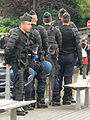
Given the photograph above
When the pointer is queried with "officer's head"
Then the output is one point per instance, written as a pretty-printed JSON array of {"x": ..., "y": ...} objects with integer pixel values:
[
  {"x": 47, "y": 18},
  {"x": 47, "y": 67},
  {"x": 61, "y": 12},
  {"x": 34, "y": 17},
  {"x": 66, "y": 18},
  {"x": 25, "y": 22}
]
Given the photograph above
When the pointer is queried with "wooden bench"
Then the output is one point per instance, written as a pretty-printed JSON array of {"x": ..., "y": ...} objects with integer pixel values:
[
  {"x": 78, "y": 87},
  {"x": 12, "y": 105}
]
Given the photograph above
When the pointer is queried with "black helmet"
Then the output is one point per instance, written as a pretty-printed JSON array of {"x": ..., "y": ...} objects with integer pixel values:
[
  {"x": 66, "y": 15},
  {"x": 46, "y": 15},
  {"x": 25, "y": 17},
  {"x": 32, "y": 12},
  {"x": 62, "y": 11}
]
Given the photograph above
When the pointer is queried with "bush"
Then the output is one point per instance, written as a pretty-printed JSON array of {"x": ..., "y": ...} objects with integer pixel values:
[{"x": 8, "y": 23}]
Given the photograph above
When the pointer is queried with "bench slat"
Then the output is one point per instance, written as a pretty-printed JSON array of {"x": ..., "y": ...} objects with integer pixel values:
[
  {"x": 76, "y": 86},
  {"x": 11, "y": 104}
]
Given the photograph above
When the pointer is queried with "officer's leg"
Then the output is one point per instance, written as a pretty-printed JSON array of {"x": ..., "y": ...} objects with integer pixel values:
[
  {"x": 62, "y": 70},
  {"x": 15, "y": 82},
  {"x": 29, "y": 90},
  {"x": 70, "y": 61},
  {"x": 41, "y": 77},
  {"x": 67, "y": 91},
  {"x": 17, "y": 95},
  {"x": 56, "y": 90}
]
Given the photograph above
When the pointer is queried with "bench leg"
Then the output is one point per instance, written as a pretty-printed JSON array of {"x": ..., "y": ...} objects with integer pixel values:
[
  {"x": 87, "y": 97},
  {"x": 78, "y": 102},
  {"x": 13, "y": 114},
  {"x": 7, "y": 88}
]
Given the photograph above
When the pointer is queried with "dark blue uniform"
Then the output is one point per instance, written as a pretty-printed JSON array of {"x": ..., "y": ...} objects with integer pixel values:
[{"x": 70, "y": 45}]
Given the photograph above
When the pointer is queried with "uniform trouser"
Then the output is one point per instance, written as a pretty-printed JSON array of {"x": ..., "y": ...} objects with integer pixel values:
[
  {"x": 29, "y": 89},
  {"x": 67, "y": 64},
  {"x": 18, "y": 83},
  {"x": 54, "y": 78},
  {"x": 56, "y": 93},
  {"x": 41, "y": 78}
]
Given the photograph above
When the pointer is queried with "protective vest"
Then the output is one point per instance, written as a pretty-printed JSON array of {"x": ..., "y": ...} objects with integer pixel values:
[{"x": 52, "y": 48}]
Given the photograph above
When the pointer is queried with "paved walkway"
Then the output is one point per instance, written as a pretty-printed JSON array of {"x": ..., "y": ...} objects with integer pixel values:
[{"x": 63, "y": 112}]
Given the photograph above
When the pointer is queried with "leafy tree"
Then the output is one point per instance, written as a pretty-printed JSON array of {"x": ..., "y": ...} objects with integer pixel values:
[
  {"x": 78, "y": 9},
  {"x": 83, "y": 7},
  {"x": 84, "y": 11},
  {"x": 7, "y": 23},
  {"x": 15, "y": 7}
]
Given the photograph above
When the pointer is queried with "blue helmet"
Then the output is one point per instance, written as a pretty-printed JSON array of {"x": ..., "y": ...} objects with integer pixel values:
[
  {"x": 34, "y": 57},
  {"x": 32, "y": 72},
  {"x": 46, "y": 66}
]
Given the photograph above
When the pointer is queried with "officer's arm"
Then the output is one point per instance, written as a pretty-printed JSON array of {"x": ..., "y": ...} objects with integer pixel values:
[
  {"x": 12, "y": 41},
  {"x": 78, "y": 44},
  {"x": 44, "y": 37},
  {"x": 37, "y": 39},
  {"x": 10, "y": 46},
  {"x": 73, "y": 25},
  {"x": 58, "y": 37}
]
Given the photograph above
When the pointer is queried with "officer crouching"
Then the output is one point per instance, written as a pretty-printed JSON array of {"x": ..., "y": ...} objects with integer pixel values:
[{"x": 15, "y": 54}]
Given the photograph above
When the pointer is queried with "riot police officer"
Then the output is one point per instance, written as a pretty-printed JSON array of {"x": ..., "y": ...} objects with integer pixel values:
[
  {"x": 54, "y": 41},
  {"x": 15, "y": 54},
  {"x": 36, "y": 38},
  {"x": 59, "y": 23},
  {"x": 70, "y": 46},
  {"x": 43, "y": 47}
]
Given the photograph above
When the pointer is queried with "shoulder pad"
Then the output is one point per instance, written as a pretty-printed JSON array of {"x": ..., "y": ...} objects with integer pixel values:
[
  {"x": 72, "y": 25},
  {"x": 35, "y": 33},
  {"x": 75, "y": 31},
  {"x": 40, "y": 27},
  {"x": 14, "y": 35}
]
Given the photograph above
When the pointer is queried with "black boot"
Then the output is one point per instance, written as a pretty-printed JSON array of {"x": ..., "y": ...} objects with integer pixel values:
[
  {"x": 28, "y": 107},
  {"x": 20, "y": 111},
  {"x": 56, "y": 99},
  {"x": 66, "y": 100},
  {"x": 55, "y": 103},
  {"x": 33, "y": 105},
  {"x": 41, "y": 103}
]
